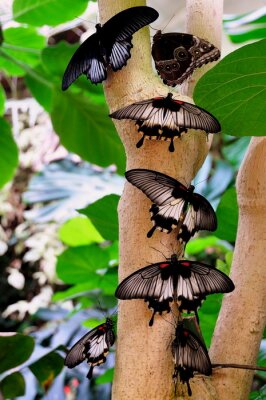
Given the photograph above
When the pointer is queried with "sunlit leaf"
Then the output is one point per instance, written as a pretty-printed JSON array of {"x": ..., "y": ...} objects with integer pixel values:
[
  {"x": 2, "y": 100},
  {"x": 107, "y": 377},
  {"x": 85, "y": 232},
  {"x": 235, "y": 91},
  {"x": 49, "y": 12},
  {"x": 8, "y": 153},
  {"x": 41, "y": 87}
]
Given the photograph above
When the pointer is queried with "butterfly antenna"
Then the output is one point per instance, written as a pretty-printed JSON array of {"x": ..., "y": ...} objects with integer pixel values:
[
  {"x": 169, "y": 322},
  {"x": 165, "y": 246},
  {"x": 203, "y": 180},
  {"x": 170, "y": 19},
  {"x": 158, "y": 251},
  {"x": 115, "y": 311},
  {"x": 153, "y": 28}
]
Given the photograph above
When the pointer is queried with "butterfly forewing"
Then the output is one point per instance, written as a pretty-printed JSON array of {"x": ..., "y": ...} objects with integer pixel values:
[{"x": 109, "y": 45}]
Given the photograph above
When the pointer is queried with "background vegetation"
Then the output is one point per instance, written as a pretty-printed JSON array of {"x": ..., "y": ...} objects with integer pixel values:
[{"x": 62, "y": 167}]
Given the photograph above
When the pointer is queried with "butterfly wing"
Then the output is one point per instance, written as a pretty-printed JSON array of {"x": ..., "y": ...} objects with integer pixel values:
[
  {"x": 154, "y": 281},
  {"x": 160, "y": 188},
  {"x": 117, "y": 33},
  {"x": 141, "y": 110},
  {"x": 87, "y": 60},
  {"x": 199, "y": 216},
  {"x": 194, "y": 117}
]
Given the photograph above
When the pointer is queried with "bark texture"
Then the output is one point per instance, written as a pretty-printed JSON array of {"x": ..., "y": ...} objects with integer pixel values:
[
  {"x": 243, "y": 315},
  {"x": 144, "y": 364}
]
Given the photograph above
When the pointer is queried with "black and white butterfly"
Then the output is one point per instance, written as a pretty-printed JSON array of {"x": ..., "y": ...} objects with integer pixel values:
[
  {"x": 190, "y": 355},
  {"x": 174, "y": 205},
  {"x": 109, "y": 45},
  {"x": 177, "y": 55},
  {"x": 185, "y": 282},
  {"x": 94, "y": 347},
  {"x": 166, "y": 118}
]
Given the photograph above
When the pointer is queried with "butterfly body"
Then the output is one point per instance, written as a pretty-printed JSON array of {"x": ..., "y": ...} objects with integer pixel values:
[
  {"x": 110, "y": 46},
  {"x": 174, "y": 205},
  {"x": 177, "y": 55},
  {"x": 94, "y": 347},
  {"x": 165, "y": 118}
]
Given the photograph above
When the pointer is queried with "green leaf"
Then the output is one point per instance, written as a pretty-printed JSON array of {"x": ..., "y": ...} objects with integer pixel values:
[
  {"x": 79, "y": 264},
  {"x": 103, "y": 214},
  {"x": 14, "y": 350},
  {"x": 85, "y": 129},
  {"x": 47, "y": 367},
  {"x": 21, "y": 47},
  {"x": 2, "y": 100},
  {"x": 13, "y": 385},
  {"x": 48, "y": 12},
  {"x": 234, "y": 152},
  {"x": 41, "y": 87},
  {"x": 107, "y": 377},
  {"x": 235, "y": 91},
  {"x": 85, "y": 232},
  {"x": 227, "y": 216},
  {"x": 8, "y": 153},
  {"x": 208, "y": 315},
  {"x": 197, "y": 245},
  {"x": 93, "y": 322}
]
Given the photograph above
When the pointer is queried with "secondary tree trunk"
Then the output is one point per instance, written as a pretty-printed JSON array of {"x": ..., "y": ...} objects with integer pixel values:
[
  {"x": 144, "y": 364},
  {"x": 243, "y": 315}
]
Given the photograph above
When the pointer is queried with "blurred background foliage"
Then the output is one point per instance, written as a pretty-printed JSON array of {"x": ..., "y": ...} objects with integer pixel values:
[{"x": 62, "y": 167}]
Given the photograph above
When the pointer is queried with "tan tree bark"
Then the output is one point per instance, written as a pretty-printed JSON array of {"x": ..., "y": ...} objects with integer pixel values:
[
  {"x": 144, "y": 364},
  {"x": 243, "y": 315}
]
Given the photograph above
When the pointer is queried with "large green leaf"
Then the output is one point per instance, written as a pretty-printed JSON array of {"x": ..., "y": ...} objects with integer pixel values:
[
  {"x": 8, "y": 153},
  {"x": 48, "y": 12},
  {"x": 227, "y": 215},
  {"x": 13, "y": 385},
  {"x": 21, "y": 47},
  {"x": 2, "y": 100},
  {"x": 103, "y": 214},
  {"x": 47, "y": 367},
  {"x": 235, "y": 91},
  {"x": 79, "y": 264},
  {"x": 85, "y": 129},
  {"x": 208, "y": 315},
  {"x": 14, "y": 350},
  {"x": 40, "y": 85},
  {"x": 85, "y": 232},
  {"x": 107, "y": 377}
]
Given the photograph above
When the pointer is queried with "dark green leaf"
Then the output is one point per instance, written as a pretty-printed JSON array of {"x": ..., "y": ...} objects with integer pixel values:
[
  {"x": 13, "y": 385},
  {"x": 79, "y": 264},
  {"x": 107, "y": 377},
  {"x": 49, "y": 12},
  {"x": 41, "y": 87},
  {"x": 234, "y": 152},
  {"x": 84, "y": 128},
  {"x": 21, "y": 46},
  {"x": 14, "y": 350},
  {"x": 235, "y": 91},
  {"x": 2, "y": 100},
  {"x": 8, "y": 153},
  {"x": 85, "y": 232},
  {"x": 208, "y": 315},
  {"x": 47, "y": 368},
  {"x": 227, "y": 216},
  {"x": 103, "y": 214}
]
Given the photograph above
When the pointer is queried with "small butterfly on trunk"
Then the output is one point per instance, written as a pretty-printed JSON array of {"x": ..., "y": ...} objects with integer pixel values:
[
  {"x": 109, "y": 45},
  {"x": 189, "y": 353},
  {"x": 94, "y": 347},
  {"x": 174, "y": 205},
  {"x": 177, "y": 55},
  {"x": 164, "y": 118},
  {"x": 185, "y": 282}
]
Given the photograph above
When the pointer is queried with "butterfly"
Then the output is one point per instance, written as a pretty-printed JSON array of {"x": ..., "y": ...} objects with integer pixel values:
[
  {"x": 109, "y": 45},
  {"x": 166, "y": 118},
  {"x": 94, "y": 346},
  {"x": 185, "y": 282},
  {"x": 177, "y": 55},
  {"x": 189, "y": 353},
  {"x": 174, "y": 205}
]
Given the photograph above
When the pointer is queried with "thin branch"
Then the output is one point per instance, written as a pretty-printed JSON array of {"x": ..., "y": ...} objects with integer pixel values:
[{"x": 240, "y": 366}]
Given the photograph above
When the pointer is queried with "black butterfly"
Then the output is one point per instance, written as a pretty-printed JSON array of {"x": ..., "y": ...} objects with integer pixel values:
[
  {"x": 109, "y": 45},
  {"x": 177, "y": 55},
  {"x": 185, "y": 282},
  {"x": 166, "y": 118},
  {"x": 190, "y": 355},
  {"x": 94, "y": 346},
  {"x": 175, "y": 206}
]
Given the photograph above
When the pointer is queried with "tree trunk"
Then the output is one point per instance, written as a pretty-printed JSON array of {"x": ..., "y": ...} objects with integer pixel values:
[
  {"x": 144, "y": 365},
  {"x": 243, "y": 315}
]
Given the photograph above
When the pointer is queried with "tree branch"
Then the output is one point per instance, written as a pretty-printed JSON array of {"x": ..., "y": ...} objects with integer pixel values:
[
  {"x": 243, "y": 315},
  {"x": 144, "y": 365}
]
